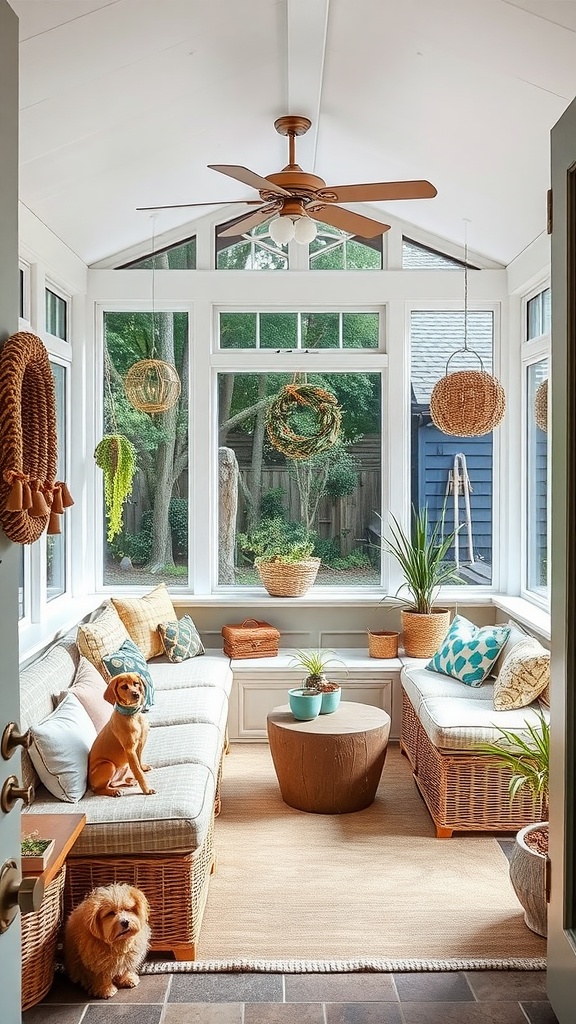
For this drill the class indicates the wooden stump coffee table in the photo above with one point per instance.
(333, 764)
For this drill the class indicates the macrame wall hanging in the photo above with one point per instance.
(152, 385)
(299, 396)
(467, 403)
(31, 499)
(541, 406)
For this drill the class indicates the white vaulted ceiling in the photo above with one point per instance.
(125, 102)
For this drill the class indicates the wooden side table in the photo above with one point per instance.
(40, 930)
(333, 764)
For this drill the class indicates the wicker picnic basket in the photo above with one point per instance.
(250, 639)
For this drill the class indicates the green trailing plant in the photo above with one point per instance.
(276, 540)
(422, 556)
(33, 845)
(116, 457)
(314, 663)
(528, 759)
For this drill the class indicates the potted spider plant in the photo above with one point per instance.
(422, 557)
(528, 758)
(317, 695)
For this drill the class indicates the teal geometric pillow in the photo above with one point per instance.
(180, 639)
(129, 658)
(468, 652)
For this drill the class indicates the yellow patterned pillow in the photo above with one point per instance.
(100, 638)
(524, 675)
(141, 616)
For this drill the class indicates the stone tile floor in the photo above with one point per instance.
(451, 997)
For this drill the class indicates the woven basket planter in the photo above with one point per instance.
(541, 405)
(288, 579)
(422, 634)
(383, 643)
(467, 403)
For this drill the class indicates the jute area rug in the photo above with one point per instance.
(372, 890)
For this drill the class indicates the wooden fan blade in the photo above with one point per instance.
(249, 177)
(379, 191)
(251, 221)
(355, 223)
(216, 202)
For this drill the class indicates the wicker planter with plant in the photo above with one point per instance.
(528, 759)
(422, 556)
(282, 555)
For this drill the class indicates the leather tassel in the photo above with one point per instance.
(57, 505)
(26, 496)
(67, 498)
(54, 523)
(14, 503)
(39, 506)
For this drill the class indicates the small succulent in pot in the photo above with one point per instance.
(314, 663)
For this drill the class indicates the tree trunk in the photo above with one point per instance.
(257, 455)
(227, 509)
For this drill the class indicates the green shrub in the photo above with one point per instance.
(272, 504)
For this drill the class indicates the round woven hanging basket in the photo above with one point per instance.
(288, 579)
(541, 405)
(467, 403)
(383, 643)
(151, 385)
(298, 396)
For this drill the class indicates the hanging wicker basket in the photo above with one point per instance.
(541, 405)
(288, 579)
(152, 385)
(467, 403)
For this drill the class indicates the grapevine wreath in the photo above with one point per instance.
(298, 446)
(30, 496)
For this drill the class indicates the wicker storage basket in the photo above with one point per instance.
(422, 634)
(383, 643)
(250, 639)
(39, 939)
(288, 579)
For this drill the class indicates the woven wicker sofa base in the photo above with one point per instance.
(463, 792)
(176, 886)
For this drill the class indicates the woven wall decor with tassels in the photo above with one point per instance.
(541, 405)
(31, 498)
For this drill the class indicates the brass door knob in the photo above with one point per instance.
(12, 738)
(13, 791)
(16, 892)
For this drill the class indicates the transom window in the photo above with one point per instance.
(56, 315)
(538, 315)
(181, 256)
(416, 256)
(252, 250)
(299, 330)
(333, 249)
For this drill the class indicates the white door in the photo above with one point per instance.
(9, 553)
(562, 911)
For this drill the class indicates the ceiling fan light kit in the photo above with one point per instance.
(300, 198)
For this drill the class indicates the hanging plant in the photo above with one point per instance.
(116, 457)
(294, 397)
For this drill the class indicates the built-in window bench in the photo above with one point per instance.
(261, 684)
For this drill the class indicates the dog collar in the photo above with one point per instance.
(123, 710)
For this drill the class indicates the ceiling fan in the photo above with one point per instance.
(299, 198)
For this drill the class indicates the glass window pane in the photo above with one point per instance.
(21, 586)
(536, 481)
(319, 330)
(333, 249)
(336, 495)
(538, 315)
(435, 336)
(56, 309)
(252, 250)
(153, 541)
(238, 330)
(181, 256)
(56, 543)
(278, 330)
(360, 330)
(420, 257)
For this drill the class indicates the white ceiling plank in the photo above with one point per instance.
(306, 47)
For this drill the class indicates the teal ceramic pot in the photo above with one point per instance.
(304, 706)
(330, 701)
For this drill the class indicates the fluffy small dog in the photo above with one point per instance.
(106, 938)
(118, 747)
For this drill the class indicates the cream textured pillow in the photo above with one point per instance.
(103, 636)
(524, 675)
(60, 748)
(515, 635)
(141, 616)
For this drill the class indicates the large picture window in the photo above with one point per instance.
(536, 479)
(56, 543)
(153, 541)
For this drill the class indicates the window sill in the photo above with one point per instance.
(536, 619)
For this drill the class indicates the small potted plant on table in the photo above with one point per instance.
(317, 695)
(35, 852)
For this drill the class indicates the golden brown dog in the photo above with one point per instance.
(118, 746)
(106, 938)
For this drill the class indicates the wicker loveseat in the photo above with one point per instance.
(443, 723)
(162, 843)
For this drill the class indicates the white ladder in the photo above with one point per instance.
(459, 483)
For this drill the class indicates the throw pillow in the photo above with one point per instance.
(101, 637)
(523, 677)
(60, 748)
(129, 658)
(468, 652)
(141, 616)
(180, 639)
(89, 687)
(517, 633)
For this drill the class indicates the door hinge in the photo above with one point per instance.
(549, 211)
(548, 878)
